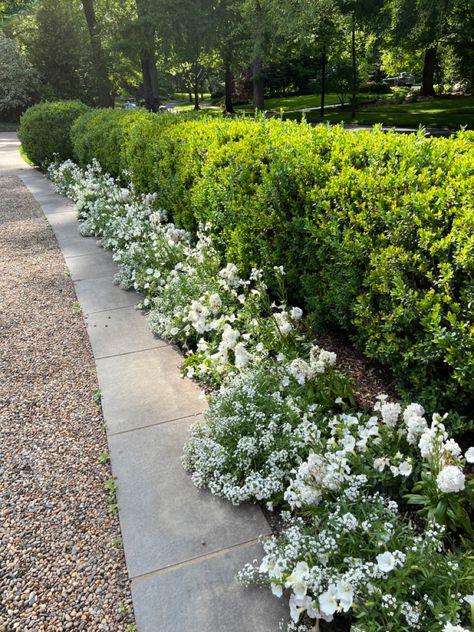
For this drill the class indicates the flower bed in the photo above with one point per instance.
(375, 523)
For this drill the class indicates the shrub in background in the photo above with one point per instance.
(45, 130)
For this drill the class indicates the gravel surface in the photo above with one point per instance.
(61, 560)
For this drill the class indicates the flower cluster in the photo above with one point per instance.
(283, 428)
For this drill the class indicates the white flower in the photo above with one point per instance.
(405, 468)
(297, 581)
(241, 356)
(328, 600)
(451, 479)
(345, 595)
(380, 464)
(230, 274)
(300, 370)
(215, 302)
(451, 447)
(386, 561)
(296, 313)
(283, 323)
(449, 627)
(469, 455)
(469, 599)
(390, 413)
(413, 410)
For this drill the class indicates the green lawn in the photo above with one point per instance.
(293, 103)
(444, 112)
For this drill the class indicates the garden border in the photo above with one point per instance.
(183, 546)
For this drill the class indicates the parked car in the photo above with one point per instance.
(403, 79)
(129, 104)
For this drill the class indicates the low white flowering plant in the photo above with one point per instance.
(356, 556)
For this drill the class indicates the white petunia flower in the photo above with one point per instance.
(386, 561)
(469, 455)
(328, 600)
(405, 468)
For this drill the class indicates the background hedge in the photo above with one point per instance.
(45, 130)
(375, 230)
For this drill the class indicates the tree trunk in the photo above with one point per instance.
(258, 83)
(104, 85)
(429, 65)
(196, 78)
(229, 89)
(354, 70)
(148, 62)
(257, 64)
(323, 81)
(196, 96)
(150, 81)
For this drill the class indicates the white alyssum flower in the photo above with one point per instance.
(451, 479)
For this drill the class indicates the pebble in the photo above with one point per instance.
(55, 530)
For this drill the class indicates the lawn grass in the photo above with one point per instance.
(449, 112)
(293, 103)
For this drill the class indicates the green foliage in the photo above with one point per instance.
(102, 134)
(18, 81)
(45, 130)
(374, 230)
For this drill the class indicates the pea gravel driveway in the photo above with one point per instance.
(61, 563)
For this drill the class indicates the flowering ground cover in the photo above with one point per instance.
(375, 502)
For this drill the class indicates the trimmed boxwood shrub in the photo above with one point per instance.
(102, 134)
(45, 130)
(375, 230)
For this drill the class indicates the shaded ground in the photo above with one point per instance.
(59, 568)
(447, 112)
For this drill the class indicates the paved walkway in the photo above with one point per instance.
(183, 546)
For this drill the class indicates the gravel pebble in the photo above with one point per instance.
(59, 568)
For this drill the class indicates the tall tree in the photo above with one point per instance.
(422, 24)
(58, 47)
(104, 85)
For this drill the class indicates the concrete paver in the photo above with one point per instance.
(120, 331)
(203, 596)
(145, 388)
(91, 266)
(158, 500)
(98, 295)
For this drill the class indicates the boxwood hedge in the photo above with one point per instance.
(45, 130)
(375, 230)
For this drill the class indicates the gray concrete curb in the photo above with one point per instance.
(183, 546)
